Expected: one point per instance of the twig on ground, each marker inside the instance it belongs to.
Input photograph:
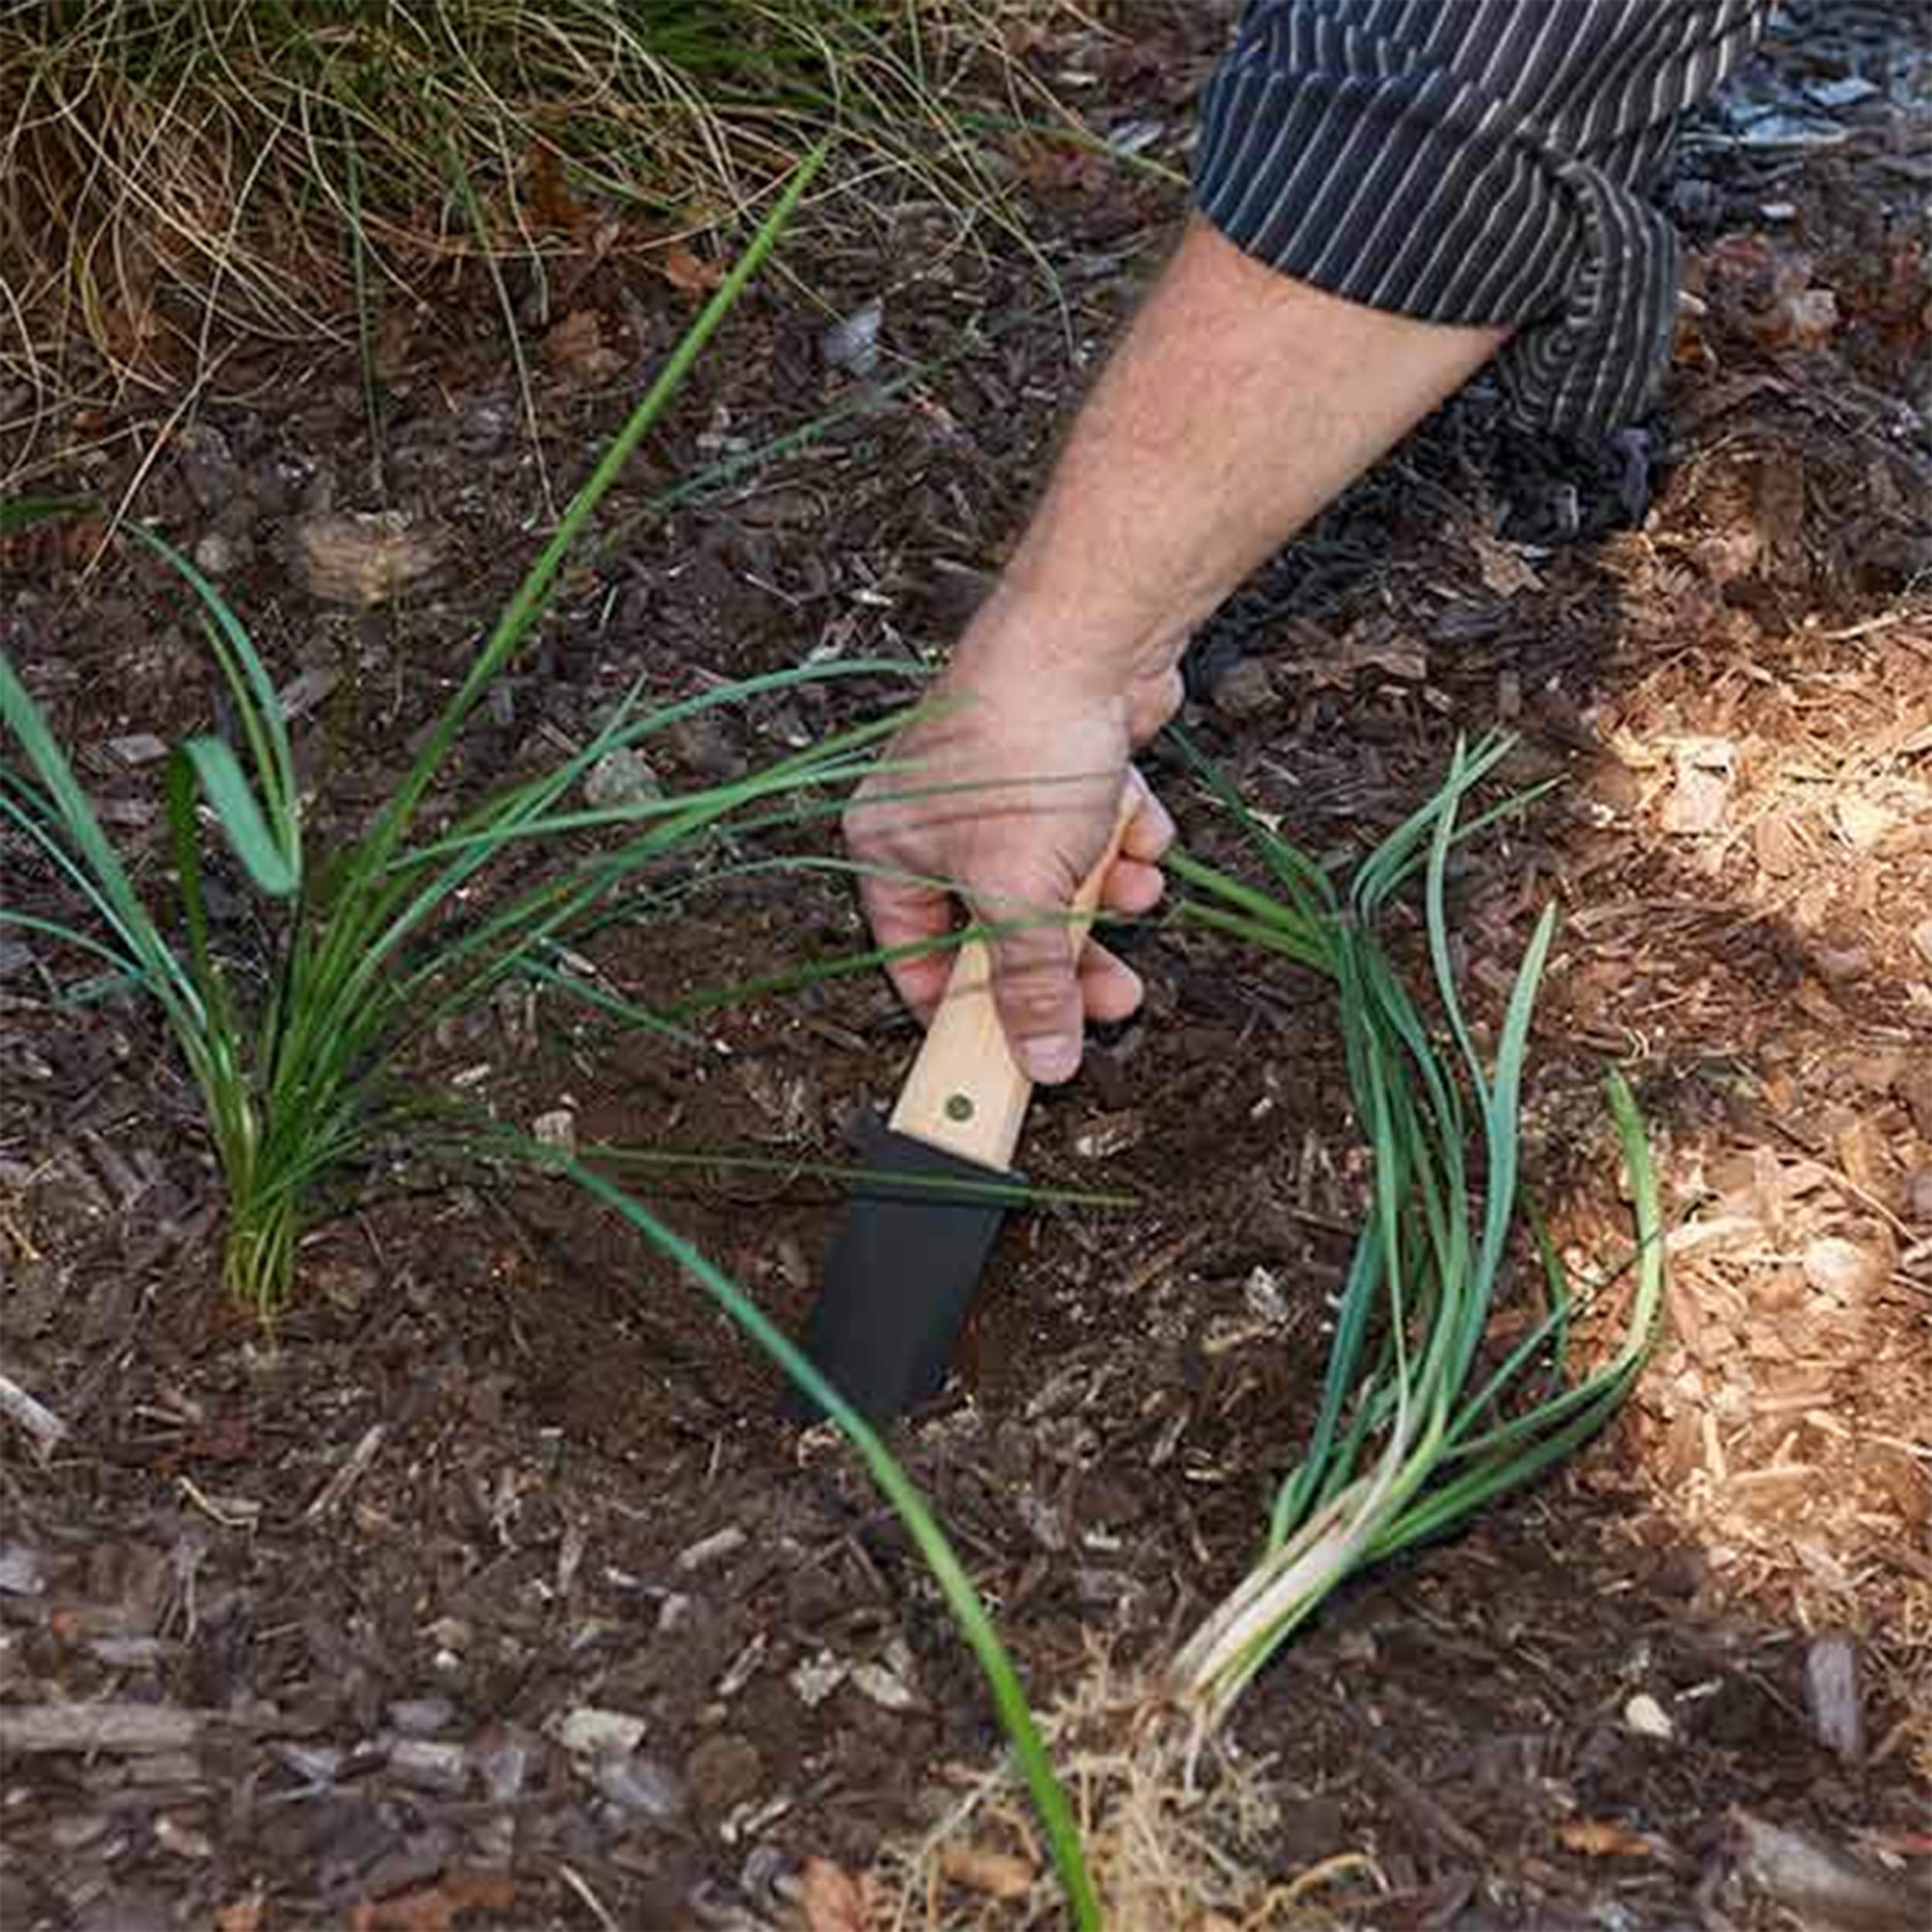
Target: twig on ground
(338, 1485)
(140, 1729)
(34, 1416)
(600, 1910)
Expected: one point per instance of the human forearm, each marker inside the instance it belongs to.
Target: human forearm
(1239, 403)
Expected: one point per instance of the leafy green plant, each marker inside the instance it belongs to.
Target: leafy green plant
(1413, 1432)
(296, 1063)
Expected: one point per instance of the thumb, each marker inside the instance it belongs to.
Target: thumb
(1037, 992)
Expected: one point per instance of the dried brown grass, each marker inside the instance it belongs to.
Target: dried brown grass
(179, 174)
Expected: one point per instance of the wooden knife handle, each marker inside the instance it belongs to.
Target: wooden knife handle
(966, 1092)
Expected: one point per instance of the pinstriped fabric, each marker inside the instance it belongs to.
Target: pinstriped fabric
(1475, 162)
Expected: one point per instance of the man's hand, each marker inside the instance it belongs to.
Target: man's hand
(1009, 792)
(1238, 404)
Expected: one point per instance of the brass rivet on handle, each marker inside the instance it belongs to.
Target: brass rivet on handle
(959, 1106)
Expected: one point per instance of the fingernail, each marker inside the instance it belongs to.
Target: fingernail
(1051, 1058)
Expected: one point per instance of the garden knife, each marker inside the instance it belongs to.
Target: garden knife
(937, 1181)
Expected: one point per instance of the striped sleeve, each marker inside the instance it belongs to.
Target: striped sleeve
(1476, 161)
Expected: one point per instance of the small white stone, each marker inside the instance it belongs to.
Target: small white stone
(709, 1549)
(853, 342)
(1863, 822)
(621, 777)
(1841, 1269)
(589, 1731)
(422, 1716)
(214, 554)
(182, 1840)
(1832, 1690)
(1647, 1718)
(21, 1574)
(504, 1763)
(1262, 1292)
(639, 1784)
(815, 1679)
(1847, 92)
(430, 1765)
(1704, 768)
(888, 1691)
(1111, 1133)
(138, 748)
(558, 1128)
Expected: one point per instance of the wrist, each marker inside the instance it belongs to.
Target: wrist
(1033, 648)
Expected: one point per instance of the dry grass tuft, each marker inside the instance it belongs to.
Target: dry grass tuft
(174, 173)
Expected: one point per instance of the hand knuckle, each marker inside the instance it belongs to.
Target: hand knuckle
(1036, 995)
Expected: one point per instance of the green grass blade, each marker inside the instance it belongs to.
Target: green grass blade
(256, 701)
(216, 1060)
(1013, 1193)
(1563, 1423)
(122, 905)
(1393, 861)
(16, 513)
(1050, 1799)
(1360, 1295)
(532, 595)
(262, 854)
(69, 936)
(1442, 835)
(103, 986)
(611, 1005)
(1502, 1111)
(35, 816)
(1272, 938)
(1310, 892)
(180, 803)
(1302, 930)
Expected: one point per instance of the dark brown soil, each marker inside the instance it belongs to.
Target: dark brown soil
(499, 1465)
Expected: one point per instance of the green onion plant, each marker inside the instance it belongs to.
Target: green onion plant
(298, 1069)
(1416, 1427)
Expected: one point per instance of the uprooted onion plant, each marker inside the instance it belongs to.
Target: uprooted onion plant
(1417, 1426)
(1426, 1413)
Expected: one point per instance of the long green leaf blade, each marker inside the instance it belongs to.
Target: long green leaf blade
(226, 788)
